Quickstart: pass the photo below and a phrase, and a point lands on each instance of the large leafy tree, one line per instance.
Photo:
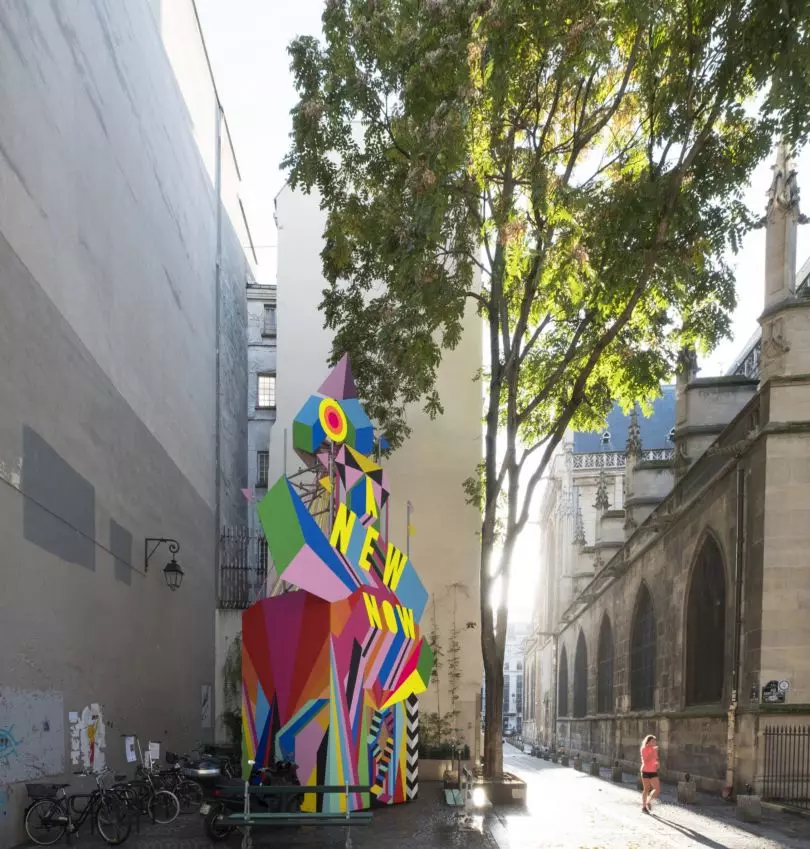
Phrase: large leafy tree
(574, 170)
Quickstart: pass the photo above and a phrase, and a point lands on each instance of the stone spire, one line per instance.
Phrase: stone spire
(780, 326)
(634, 436)
(781, 223)
(602, 503)
(579, 526)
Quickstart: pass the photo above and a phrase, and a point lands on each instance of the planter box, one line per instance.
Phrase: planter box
(434, 770)
(507, 790)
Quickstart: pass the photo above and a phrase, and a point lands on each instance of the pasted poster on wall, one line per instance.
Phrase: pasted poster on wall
(332, 671)
(32, 735)
(205, 705)
(88, 740)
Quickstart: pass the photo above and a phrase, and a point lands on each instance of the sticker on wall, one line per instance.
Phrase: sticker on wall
(205, 706)
(129, 749)
(772, 692)
(154, 752)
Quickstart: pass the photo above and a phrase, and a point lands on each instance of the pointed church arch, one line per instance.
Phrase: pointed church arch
(581, 677)
(642, 652)
(562, 684)
(604, 675)
(706, 626)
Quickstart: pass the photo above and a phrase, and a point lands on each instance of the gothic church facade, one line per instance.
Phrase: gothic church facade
(679, 605)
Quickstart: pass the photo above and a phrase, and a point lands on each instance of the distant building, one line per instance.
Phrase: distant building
(679, 608)
(261, 311)
(513, 680)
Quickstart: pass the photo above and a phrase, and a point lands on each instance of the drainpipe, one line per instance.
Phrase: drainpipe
(217, 331)
(739, 571)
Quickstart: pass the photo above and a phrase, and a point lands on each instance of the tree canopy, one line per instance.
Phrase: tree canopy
(573, 170)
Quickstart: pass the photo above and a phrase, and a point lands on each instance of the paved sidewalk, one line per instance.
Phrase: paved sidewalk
(572, 809)
(565, 810)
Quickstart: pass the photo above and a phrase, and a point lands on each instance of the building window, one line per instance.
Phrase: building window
(581, 677)
(562, 685)
(506, 695)
(262, 558)
(706, 628)
(520, 665)
(519, 694)
(269, 328)
(262, 467)
(642, 652)
(266, 392)
(533, 696)
(604, 680)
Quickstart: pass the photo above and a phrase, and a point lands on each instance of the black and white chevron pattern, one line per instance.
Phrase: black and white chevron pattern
(412, 747)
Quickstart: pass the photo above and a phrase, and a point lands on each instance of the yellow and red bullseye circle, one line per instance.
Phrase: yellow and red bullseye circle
(333, 420)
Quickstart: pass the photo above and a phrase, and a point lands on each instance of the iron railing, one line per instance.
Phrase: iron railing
(786, 777)
(243, 568)
(617, 459)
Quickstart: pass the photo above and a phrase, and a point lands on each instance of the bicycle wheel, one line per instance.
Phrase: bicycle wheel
(112, 820)
(46, 822)
(139, 793)
(190, 795)
(164, 807)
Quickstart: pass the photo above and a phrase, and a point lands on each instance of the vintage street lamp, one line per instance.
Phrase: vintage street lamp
(171, 571)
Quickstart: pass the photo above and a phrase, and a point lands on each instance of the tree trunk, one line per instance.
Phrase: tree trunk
(493, 728)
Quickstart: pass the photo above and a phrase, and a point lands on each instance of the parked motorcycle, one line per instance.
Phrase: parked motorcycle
(223, 801)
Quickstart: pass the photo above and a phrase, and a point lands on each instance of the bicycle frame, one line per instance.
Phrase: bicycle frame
(77, 818)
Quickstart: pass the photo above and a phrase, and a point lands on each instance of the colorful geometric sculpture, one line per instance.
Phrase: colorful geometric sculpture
(332, 670)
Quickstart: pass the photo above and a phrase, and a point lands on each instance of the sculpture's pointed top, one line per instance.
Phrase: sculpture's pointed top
(340, 382)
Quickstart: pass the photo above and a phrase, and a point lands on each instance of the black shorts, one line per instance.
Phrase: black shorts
(649, 775)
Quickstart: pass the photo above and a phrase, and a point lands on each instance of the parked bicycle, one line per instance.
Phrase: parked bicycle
(147, 795)
(54, 812)
(189, 793)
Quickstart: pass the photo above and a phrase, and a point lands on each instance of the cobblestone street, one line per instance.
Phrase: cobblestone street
(571, 810)
(565, 810)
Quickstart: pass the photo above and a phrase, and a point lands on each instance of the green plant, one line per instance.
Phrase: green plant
(574, 172)
(454, 663)
(231, 716)
(438, 654)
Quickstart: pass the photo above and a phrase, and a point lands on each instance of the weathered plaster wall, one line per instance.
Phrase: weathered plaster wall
(108, 245)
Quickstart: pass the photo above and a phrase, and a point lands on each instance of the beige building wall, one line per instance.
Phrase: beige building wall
(428, 470)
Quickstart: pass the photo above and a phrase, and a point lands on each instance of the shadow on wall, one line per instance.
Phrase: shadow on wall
(59, 510)
(58, 503)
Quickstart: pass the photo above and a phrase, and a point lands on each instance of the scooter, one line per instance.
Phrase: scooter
(224, 801)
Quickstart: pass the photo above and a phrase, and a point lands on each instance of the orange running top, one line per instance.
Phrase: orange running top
(649, 758)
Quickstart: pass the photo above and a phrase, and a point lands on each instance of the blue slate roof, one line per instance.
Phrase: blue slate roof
(654, 430)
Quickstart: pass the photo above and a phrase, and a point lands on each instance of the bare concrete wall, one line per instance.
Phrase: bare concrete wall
(108, 248)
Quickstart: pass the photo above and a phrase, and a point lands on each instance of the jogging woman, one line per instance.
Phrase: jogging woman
(649, 773)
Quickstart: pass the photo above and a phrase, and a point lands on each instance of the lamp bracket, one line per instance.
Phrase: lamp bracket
(174, 547)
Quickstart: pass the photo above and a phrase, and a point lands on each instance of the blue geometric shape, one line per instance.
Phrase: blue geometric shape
(411, 592)
(363, 429)
(285, 739)
(317, 541)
